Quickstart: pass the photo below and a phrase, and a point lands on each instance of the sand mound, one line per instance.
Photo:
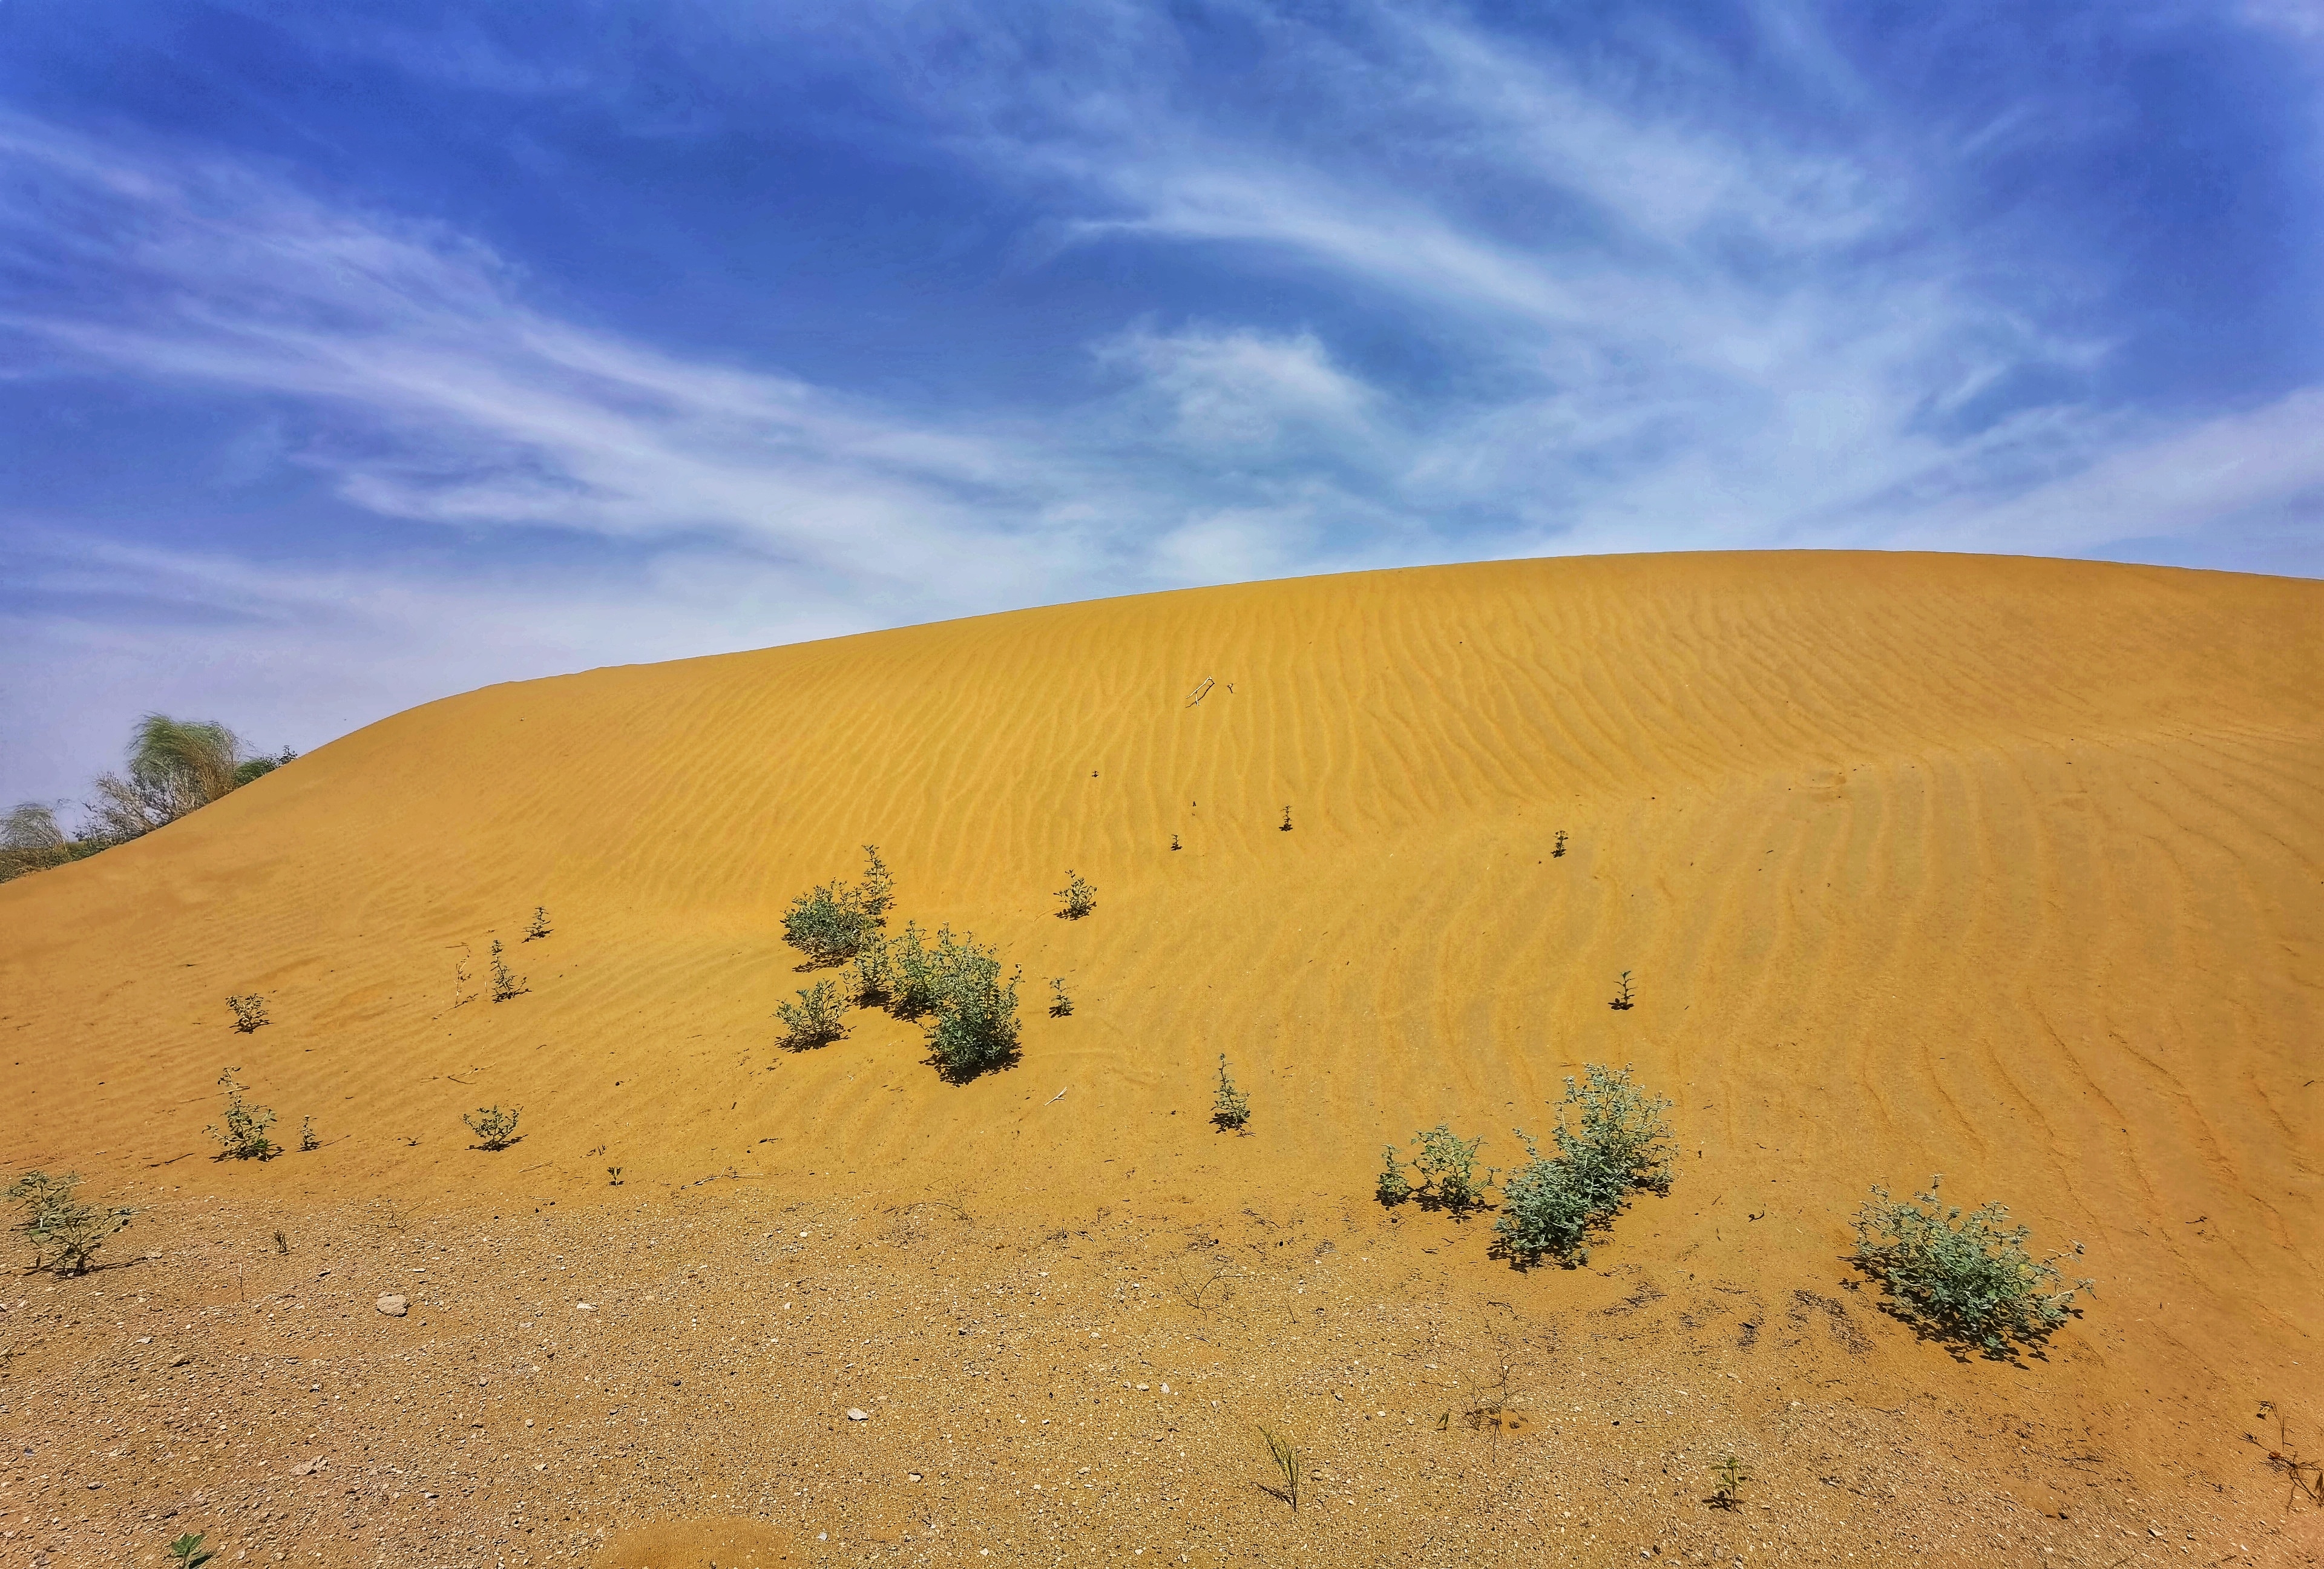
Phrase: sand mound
(2011, 870)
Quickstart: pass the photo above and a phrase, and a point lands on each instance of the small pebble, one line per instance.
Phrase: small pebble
(393, 1305)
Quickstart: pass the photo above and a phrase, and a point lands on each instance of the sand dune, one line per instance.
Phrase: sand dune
(2012, 870)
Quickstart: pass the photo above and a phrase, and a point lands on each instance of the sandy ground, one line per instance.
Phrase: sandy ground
(2009, 870)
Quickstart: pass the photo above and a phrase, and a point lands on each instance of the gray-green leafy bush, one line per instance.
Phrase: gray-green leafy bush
(1229, 1107)
(495, 1129)
(65, 1231)
(242, 1131)
(1077, 898)
(871, 974)
(249, 1012)
(1444, 1169)
(830, 923)
(1962, 1276)
(976, 1024)
(506, 983)
(1613, 1139)
(813, 1019)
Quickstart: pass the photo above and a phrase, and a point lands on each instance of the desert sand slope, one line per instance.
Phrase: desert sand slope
(2012, 870)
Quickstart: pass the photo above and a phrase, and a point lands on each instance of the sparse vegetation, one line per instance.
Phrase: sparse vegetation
(188, 1550)
(813, 1019)
(494, 1128)
(1445, 1165)
(1290, 1467)
(1229, 1107)
(871, 977)
(1393, 1187)
(1060, 1004)
(249, 1012)
(281, 1243)
(2306, 1476)
(1174, 843)
(539, 927)
(613, 1177)
(1558, 848)
(1077, 896)
(174, 766)
(1286, 819)
(1623, 997)
(829, 924)
(976, 1025)
(1618, 1142)
(506, 983)
(65, 1232)
(1961, 1275)
(1727, 1490)
(307, 1139)
(242, 1131)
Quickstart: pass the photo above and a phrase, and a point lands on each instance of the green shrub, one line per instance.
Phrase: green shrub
(875, 896)
(1394, 1187)
(976, 1010)
(825, 924)
(188, 1550)
(243, 1130)
(1612, 1140)
(871, 977)
(1544, 1210)
(1230, 1107)
(307, 1136)
(1447, 1167)
(1061, 1006)
(1961, 1275)
(249, 1012)
(494, 1128)
(831, 923)
(1078, 897)
(64, 1232)
(915, 978)
(813, 1019)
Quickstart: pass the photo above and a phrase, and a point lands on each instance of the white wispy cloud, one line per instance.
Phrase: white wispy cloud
(1652, 315)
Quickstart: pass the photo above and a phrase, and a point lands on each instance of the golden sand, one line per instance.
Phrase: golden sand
(2010, 869)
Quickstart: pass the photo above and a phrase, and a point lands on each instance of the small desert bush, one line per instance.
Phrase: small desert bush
(1230, 1107)
(1961, 1275)
(1444, 1167)
(1076, 898)
(813, 1019)
(1061, 1005)
(1393, 1187)
(242, 1131)
(495, 1129)
(1612, 1140)
(249, 1012)
(976, 1023)
(872, 975)
(506, 983)
(831, 923)
(539, 927)
(64, 1232)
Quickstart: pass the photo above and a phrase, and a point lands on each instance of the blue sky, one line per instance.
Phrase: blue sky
(354, 355)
